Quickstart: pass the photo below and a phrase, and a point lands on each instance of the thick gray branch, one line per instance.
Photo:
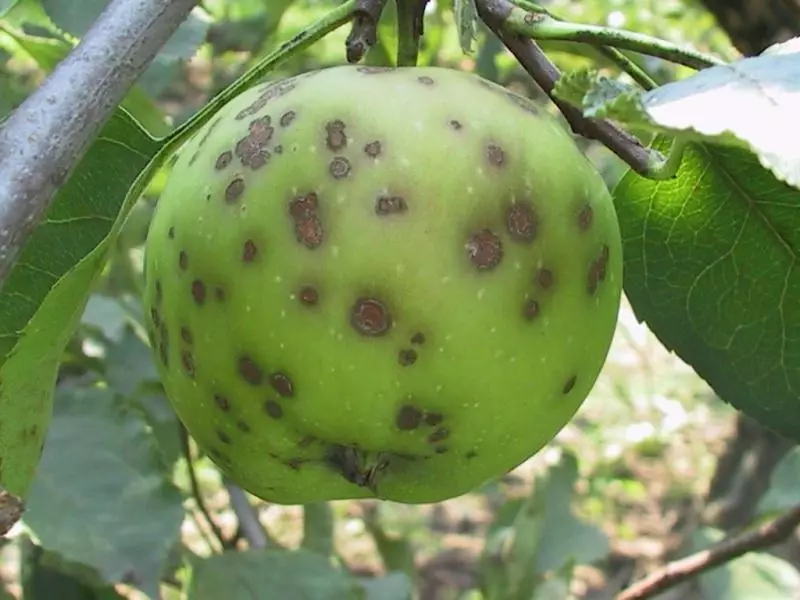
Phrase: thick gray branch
(49, 133)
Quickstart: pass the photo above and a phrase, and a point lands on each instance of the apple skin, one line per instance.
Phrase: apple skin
(380, 283)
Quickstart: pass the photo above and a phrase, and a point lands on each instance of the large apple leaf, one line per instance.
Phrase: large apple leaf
(711, 261)
(271, 573)
(759, 96)
(44, 296)
(114, 511)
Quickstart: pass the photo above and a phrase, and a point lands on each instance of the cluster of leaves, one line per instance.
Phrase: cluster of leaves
(710, 267)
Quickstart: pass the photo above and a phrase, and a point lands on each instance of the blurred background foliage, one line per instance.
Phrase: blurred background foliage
(652, 468)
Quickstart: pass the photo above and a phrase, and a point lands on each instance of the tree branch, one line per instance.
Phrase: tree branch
(252, 529)
(545, 74)
(43, 140)
(195, 488)
(728, 549)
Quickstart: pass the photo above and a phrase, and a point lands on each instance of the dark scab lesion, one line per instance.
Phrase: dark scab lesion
(545, 278)
(373, 149)
(234, 190)
(408, 417)
(418, 338)
(339, 167)
(308, 295)
(570, 384)
(249, 251)
(287, 118)
(223, 437)
(471, 454)
(407, 357)
(390, 205)
(183, 260)
(272, 90)
(171, 233)
(163, 351)
(186, 335)
(370, 317)
(199, 292)
(222, 402)
(425, 80)
(585, 217)
(440, 449)
(495, 155)
(438, 435)
(335, 135)
(250, 371)
(187, 360)
(484, 249)
(242, 426)
(522, 223)
(530, 309)
(597, 270)
(373, 70)
(306, 441)
(433, 418)
(456, 125)
(155, 317)
(273, 409)
(307, 224)
(223, 160)
(252, 149)
(282, 384)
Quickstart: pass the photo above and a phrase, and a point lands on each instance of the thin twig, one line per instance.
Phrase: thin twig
(769, 534)
(546, 74)
(254, 532)
(544, 27)
(195, 487)
(43, 140)
(364, 32)
(410, 28)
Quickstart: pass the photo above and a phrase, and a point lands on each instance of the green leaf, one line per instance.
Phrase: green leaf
(507, 564)
(318, 528)
(784, 490)
(539, 534)
(107, 316)
(759, 94)
(466, 16)
(42, 580)
(80, 217)
(74, 16)
(270, 573)
(40, 308)
(564, 538)
(394, 586)
(395, 551)
(754, 575)
(181, 45)
(130, 364)
(711, 267)
(6, 5)
(163, 421)
(77, 16)
(101, 496)
(600, 97)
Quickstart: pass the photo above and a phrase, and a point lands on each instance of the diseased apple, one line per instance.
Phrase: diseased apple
(392, 283)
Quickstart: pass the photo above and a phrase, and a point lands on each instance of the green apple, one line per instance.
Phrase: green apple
(391, 283)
